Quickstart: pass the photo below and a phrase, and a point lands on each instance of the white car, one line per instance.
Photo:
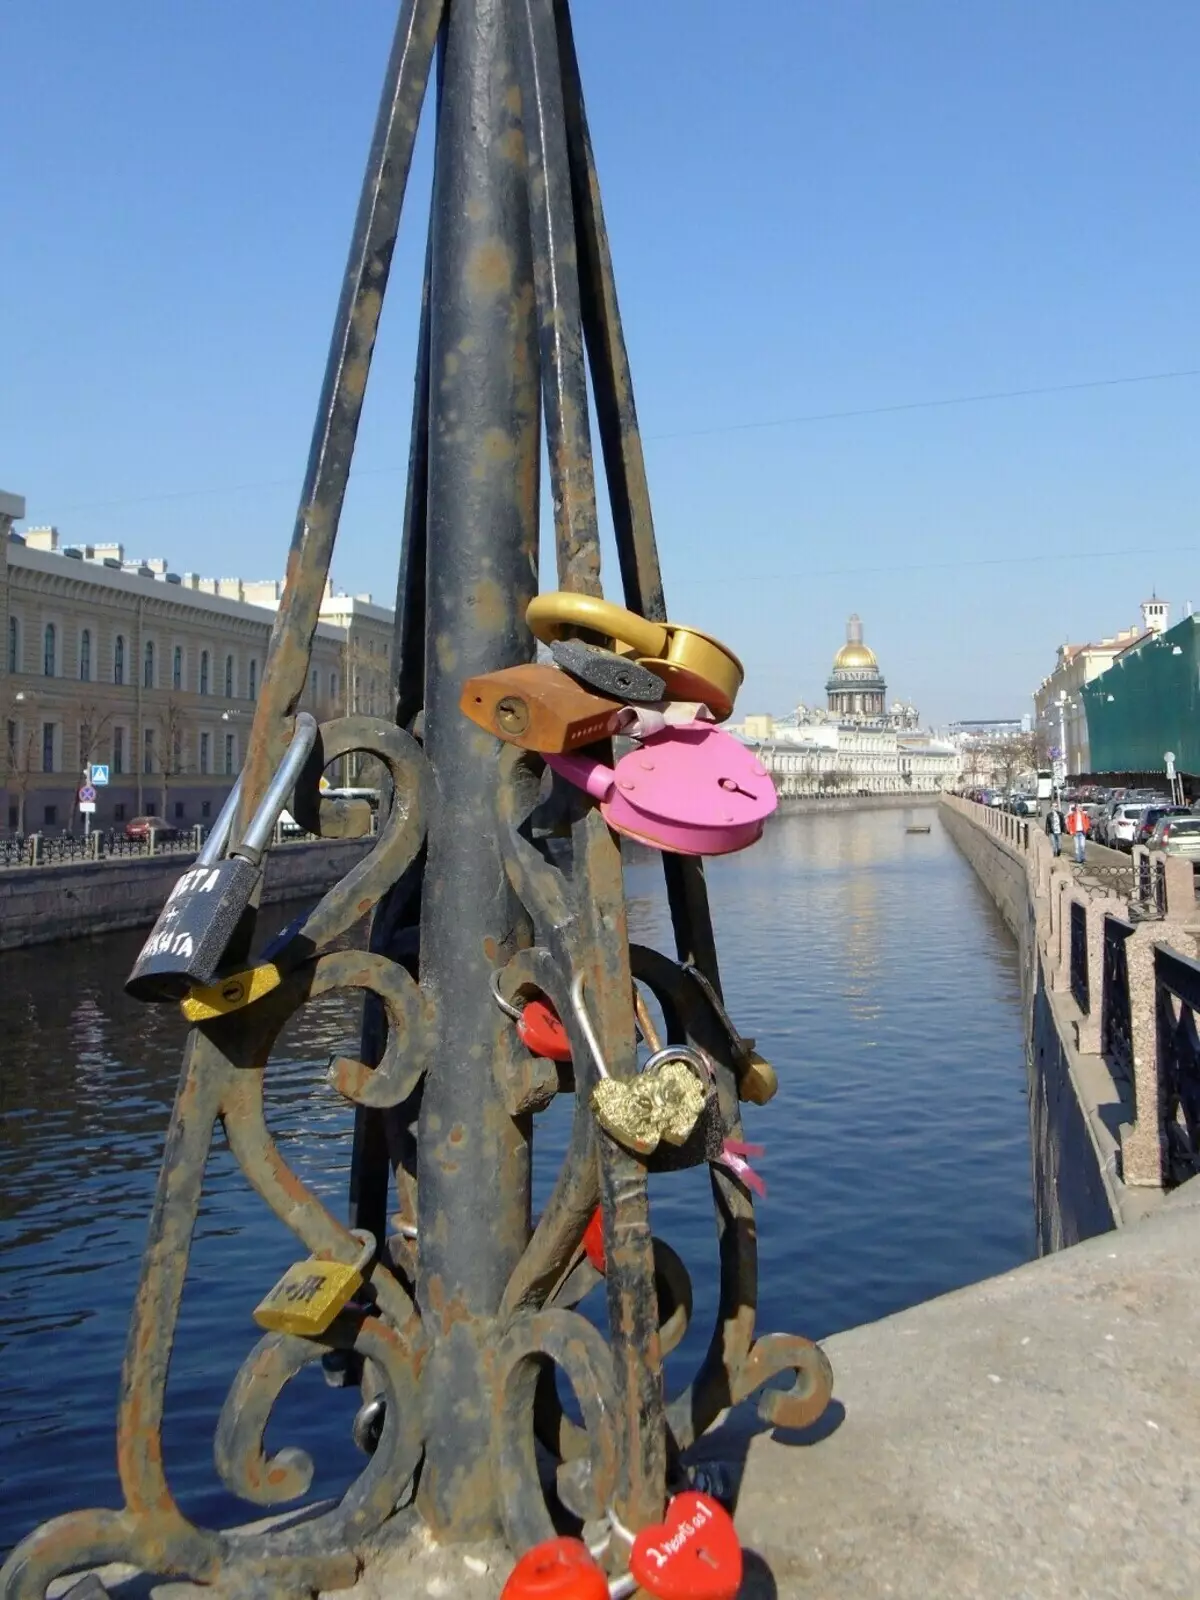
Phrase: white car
(1123, 825)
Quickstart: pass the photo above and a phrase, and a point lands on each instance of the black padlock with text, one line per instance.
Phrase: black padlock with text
(195, 926)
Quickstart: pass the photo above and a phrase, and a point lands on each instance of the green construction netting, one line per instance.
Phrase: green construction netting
(1147, 703)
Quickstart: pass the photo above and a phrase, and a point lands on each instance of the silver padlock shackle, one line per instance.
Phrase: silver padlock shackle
(213, 849)
(258, 834)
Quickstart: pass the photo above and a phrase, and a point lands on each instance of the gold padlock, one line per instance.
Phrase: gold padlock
(693, 665)
(311, 1293)
(539, 708)
(757, 1080)
(231, 993)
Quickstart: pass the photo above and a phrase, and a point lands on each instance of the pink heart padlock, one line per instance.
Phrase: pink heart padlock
(690, 789)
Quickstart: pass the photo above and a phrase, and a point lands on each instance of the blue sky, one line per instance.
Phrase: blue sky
(835, 208)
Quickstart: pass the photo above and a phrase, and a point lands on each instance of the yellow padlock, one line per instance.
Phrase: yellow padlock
(311, 1293)
(757, 1080)
(231, 993)
(693, 665)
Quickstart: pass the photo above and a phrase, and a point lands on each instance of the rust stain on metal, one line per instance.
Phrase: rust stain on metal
(490, 269)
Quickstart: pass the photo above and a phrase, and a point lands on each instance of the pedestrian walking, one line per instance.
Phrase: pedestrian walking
(1079, 825)
(1054, 826)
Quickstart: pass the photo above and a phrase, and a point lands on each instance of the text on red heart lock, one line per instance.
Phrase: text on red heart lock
(693, 1555)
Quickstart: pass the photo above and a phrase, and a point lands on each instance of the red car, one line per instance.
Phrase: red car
(143, 827)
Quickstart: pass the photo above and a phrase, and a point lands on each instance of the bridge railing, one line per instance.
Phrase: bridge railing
(1108, 944)
(48, 850)
(1177, 1003)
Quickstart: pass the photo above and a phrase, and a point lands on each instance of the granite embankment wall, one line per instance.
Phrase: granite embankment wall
(1082, 1106)
(854, 802)
(76, 900)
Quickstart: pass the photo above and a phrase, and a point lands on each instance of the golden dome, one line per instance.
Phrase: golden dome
(854, 655)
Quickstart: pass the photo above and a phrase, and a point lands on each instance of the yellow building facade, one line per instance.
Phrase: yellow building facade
(153, 675)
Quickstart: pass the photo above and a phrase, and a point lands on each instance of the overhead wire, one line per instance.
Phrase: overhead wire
(801, 420)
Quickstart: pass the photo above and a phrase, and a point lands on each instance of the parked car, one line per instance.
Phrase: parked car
(142, 827)
(1178, 835)
(1123, 824)
(1153, 815)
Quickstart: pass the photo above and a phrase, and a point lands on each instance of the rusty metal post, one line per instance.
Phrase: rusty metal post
(468, 1306)
(473, 1163)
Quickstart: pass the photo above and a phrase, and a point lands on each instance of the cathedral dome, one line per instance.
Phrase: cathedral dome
(856, 688)
(852, 655)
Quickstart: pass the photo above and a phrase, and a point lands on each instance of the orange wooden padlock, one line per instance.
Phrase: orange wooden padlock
(558, 1569)
(539, 708)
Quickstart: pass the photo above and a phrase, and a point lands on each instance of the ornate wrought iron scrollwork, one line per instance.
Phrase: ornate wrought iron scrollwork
(480, 865)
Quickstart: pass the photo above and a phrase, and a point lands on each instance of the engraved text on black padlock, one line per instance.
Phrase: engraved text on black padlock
(205, 906)
(193, 930)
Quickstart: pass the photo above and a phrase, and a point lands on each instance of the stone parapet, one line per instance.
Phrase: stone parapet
(1091, 950)
(43, 905)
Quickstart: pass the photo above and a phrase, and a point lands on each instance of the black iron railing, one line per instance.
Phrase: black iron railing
(1116, 1025)
(1176, 1004)
(1079, 957)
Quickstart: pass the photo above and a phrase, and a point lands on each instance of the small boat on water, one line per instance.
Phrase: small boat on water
(917, 827)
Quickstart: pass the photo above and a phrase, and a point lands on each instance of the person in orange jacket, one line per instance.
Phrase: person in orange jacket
(1079, 825)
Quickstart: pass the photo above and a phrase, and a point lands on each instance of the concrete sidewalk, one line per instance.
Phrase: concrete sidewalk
(1034, 1437)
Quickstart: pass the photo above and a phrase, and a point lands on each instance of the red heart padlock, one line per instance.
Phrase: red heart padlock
(558, 1569)
(693, 1555)
(593, 1241)
(540, 1029)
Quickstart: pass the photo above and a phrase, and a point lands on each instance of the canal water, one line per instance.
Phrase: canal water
(868, 963)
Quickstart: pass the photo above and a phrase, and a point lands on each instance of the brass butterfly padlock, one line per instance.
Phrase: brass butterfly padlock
(311, 1293)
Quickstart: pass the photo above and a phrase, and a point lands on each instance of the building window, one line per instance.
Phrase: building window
(229, 677)
(204, 672)
(178, 810)
(253, 680)
(47, 747)
(333, 687)
(14, 817)
(14, 645)
(151, 808)
(228, 754)
(148, 666)
(119, 811)
(147, 749)
(371, 698)
(204, 744)
(206, 808)
(176, 751)
(119, 659)
(85, 656)
(49, 660)
(177, 668)
(118, 763)
(50, 815)
(312, 683)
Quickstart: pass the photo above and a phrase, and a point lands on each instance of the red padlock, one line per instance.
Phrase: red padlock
(558, 1569)
(540, 1028)
(593, 1241)
(693, 1554)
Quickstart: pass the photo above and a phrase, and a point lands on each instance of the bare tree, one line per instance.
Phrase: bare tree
(172, 724)
(1016, 754)
(18, 760)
